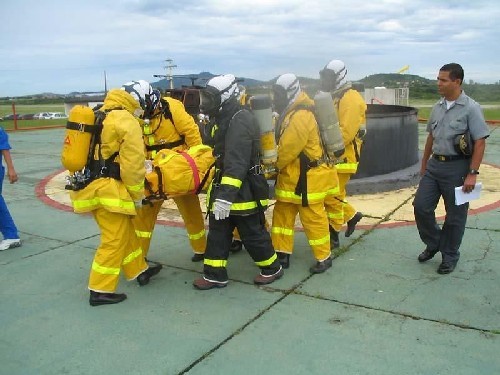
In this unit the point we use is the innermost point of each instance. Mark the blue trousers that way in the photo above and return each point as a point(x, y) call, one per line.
point(7, 226)
point(440, 179)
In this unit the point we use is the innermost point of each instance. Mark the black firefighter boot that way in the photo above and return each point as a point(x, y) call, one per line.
point(236, 246)
point(99, 298)
point(143, 278)
point(284, 259)
point(334, 239)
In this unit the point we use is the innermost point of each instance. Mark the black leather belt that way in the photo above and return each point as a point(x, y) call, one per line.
point(450, 157)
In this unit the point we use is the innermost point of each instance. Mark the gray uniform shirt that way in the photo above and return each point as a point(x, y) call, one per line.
point(445, 124)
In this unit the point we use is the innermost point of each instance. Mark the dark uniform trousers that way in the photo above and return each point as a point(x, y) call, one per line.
point(254, 236)
point(440, 179)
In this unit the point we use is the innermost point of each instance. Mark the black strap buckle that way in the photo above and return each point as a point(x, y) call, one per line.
point(256, 169)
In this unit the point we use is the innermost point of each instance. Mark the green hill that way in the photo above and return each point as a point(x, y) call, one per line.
point(423, 88)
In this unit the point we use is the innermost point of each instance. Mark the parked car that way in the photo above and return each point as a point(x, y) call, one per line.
point(57, 115)
point(42, 116)
point(11, 117)
point(28, 116)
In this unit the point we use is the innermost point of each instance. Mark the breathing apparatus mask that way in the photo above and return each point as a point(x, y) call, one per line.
point(285, 91)
point(333, 76)
point(218, 91)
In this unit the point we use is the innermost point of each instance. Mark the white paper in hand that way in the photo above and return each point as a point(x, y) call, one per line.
point(461, 197)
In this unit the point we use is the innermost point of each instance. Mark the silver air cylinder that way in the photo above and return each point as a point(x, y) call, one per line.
point(329, 124)
point(261, 108)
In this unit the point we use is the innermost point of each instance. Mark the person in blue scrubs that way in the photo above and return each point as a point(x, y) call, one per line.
point(7, 227)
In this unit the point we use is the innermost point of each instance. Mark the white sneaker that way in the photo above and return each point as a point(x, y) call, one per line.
point(10, 243)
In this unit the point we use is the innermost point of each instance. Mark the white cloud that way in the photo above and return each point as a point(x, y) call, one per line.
point(64, 46)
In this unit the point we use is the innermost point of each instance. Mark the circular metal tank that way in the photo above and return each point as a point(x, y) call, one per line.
point(391, 140)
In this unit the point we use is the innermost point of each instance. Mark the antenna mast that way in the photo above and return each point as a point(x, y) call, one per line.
point(169, 66)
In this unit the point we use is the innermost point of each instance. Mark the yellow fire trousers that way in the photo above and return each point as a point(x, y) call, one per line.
point(190, 210)
point(339, 211)
point(119, 249)
point(314, 222)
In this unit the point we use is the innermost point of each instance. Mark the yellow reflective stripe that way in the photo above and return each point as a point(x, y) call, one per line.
point(143, 234)
point(339, 215)
point(214, 129)
point(291, 194)
point(137, 187)
point(146, 129)
point(217, 263)
point(230, 181)
point(334, 191)
point(247, 205)
point(105, 270)
point(320, 241)
point(151, 140)
point(267, 262)
point(197, 236)
point(281, 230)
point(110, 202)
point(343, 166)
point(132, 256)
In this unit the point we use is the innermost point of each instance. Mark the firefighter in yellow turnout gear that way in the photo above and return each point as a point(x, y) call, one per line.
point(304, 179)
point(115, 187)
point(169, 126)
point(351, 111)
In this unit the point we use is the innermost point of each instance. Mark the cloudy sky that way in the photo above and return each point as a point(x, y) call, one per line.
point(66, 45)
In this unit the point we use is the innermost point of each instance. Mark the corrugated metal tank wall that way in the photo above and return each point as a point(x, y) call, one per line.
point(391, 141)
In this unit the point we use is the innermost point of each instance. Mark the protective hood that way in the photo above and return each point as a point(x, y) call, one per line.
point(119, 99)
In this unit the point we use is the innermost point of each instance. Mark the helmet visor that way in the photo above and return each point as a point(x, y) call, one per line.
point(280, 98)
point(209, 100)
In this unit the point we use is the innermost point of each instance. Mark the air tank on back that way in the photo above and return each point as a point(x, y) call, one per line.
point(261, 108)
point(328, 124)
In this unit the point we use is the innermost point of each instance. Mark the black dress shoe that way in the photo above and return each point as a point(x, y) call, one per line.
point(284, 259)
point(143, 278)
point(334, 239)
point(351, 224)
point(426, 255)
point(236, 246)
point(98, 298)
point(446, 267)
point(321, 267)
point(197, 257)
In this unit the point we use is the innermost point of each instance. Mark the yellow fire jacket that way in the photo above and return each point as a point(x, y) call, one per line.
point(351, 112)
point(298, 132)
point(161, 132)
point(121, 133)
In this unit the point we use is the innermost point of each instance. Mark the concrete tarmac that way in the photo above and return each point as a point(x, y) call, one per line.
point(376, 311)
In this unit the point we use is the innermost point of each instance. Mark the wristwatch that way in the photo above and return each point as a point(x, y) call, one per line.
point(473, 171)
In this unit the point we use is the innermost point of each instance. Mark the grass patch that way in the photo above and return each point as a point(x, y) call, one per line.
point(490, 111)
point(22, 109)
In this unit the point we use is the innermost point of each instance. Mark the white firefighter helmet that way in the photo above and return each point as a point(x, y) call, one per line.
point(141, 91)
point(285, 91)
point(153, 105)
point(333, 75)
point(218, 91)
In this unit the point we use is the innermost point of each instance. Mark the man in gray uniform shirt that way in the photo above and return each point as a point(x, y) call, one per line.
point(445, 166)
